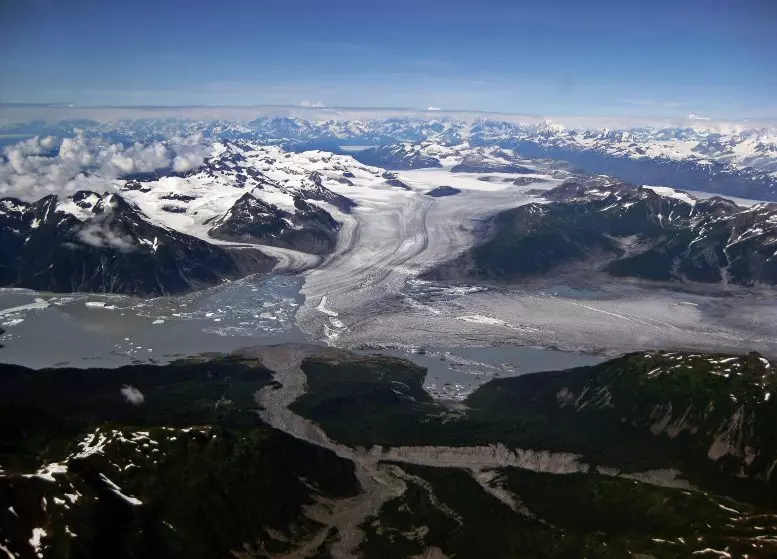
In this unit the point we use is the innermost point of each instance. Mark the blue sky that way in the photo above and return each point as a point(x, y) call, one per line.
point(652, 58)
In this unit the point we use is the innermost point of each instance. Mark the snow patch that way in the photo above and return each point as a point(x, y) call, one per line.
point(116, 490)
point(35, 540)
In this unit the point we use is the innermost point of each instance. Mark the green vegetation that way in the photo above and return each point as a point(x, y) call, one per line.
point(576, 515)
point(635, 413)
point(596, 503)
point(385, 394)
point(197, 474)
point(212, 478)
point(40, 411)
point(470, 523)
point(622, 231)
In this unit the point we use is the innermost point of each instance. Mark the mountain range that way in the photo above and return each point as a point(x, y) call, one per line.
point(168, 232)
point(310, 451)
point(731, 160)
point(649, 233)
point(103, 243)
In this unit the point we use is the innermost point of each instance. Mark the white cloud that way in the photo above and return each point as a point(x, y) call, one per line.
point(123, 163)
point(312, 104)
point(433, 108)
point(48, 142)
point(30, 169)
point(186, 162)
point(132, 395)
point(694, 116)
point(100, 235)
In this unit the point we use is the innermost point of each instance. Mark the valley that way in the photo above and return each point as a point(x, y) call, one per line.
point(345, 455)
point(372, 261)
point(388, 280)
point(464, 349)
point(368, 361)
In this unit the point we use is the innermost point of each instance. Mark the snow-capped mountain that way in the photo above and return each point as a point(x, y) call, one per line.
point(400, 156)
point(680, 158)
point(362, 132)
point(745, 148)
point(103, 243)
point(308, 228)
point(734, 161)
point(258, 194)
point(737, 163)
point(167, 231)
point(461, 158)
point(653, 233)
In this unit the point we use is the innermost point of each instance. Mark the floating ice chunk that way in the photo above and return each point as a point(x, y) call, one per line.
point(482, 319)
point(38, 304)
point(324, 309)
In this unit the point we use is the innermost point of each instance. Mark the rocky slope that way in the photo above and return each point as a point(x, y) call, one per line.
point(648, 233)
point(308, 228)
point(166, 232)
point(257, 194)
point(150, 461)
point(103, 243)
point(398, 156)
point(461, 158)
point(706, 416)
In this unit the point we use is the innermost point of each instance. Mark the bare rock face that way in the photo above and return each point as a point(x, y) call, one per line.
point(442, 191)
point(624, 231)
point(307, 228)
point(109, 247)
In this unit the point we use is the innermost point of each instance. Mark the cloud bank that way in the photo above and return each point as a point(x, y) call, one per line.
point(40, 166)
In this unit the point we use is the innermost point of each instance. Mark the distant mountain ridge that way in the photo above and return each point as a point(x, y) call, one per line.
point(737, 161)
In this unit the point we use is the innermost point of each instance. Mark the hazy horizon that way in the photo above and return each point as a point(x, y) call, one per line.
point(658, 60)
point(19, 113)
